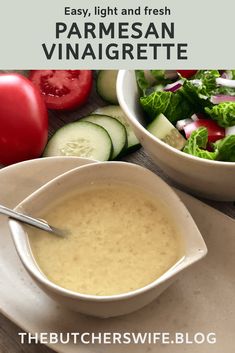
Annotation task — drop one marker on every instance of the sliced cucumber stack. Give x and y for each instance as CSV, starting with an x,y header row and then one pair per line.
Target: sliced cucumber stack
x,y
115,129
162,128
80,139
116,112
106,85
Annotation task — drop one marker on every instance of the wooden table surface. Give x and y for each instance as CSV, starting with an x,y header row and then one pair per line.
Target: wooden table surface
x,y
9,340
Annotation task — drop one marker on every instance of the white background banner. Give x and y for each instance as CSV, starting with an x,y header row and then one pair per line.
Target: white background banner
x,y
109,34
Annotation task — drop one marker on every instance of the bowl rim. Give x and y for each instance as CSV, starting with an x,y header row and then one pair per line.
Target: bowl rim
x,y
38,160
139,126
32,267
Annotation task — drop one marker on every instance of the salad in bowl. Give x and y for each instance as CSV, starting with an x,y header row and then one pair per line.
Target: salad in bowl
x,y
191,110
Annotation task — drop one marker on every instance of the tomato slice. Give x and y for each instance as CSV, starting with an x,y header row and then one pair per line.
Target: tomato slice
x,y
63,89
215,132
186,73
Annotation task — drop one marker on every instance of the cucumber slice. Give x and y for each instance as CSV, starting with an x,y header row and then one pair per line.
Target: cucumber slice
x,y
115,129
106,85
162,128
116,112
80,139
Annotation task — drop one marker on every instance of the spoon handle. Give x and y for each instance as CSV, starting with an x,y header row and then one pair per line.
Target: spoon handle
x,y
30,220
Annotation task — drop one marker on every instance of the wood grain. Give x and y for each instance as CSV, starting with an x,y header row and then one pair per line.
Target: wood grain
x,y
9,340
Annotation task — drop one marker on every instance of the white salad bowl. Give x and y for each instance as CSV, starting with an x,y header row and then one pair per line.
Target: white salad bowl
x,y
108,306
205,178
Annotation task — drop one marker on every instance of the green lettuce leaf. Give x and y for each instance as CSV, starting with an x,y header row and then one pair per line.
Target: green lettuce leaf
x,y
227,91
155,103
192,95
151,80
223,113
178,108
141,81
199,90
226,149
231,74
160,77
197,143
222,90
173,105
204,85
208,82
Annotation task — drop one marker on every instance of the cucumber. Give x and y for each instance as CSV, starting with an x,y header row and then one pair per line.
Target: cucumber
x,y
80,139
115,129
162,128
116,112
106,85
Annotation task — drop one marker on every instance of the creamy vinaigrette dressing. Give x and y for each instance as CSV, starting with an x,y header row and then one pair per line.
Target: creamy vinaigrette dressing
x,y
121,239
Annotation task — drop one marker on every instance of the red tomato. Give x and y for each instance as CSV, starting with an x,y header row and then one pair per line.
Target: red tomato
x,y
215,132
63,89
187,73
23,120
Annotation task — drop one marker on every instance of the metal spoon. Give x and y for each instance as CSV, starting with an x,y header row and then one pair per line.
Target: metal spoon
x,y
38,223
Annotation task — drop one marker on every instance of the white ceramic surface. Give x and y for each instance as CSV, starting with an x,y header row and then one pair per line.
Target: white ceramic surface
x,y
202,300
108,172
210,179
